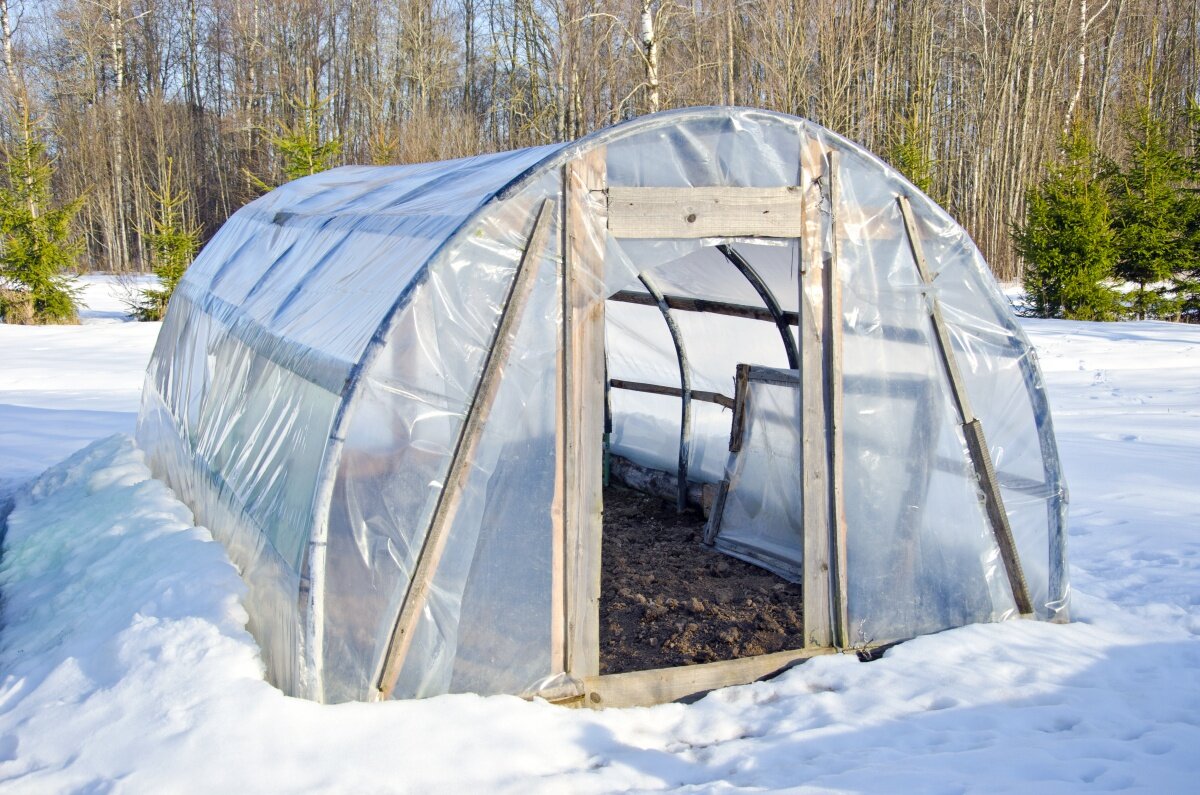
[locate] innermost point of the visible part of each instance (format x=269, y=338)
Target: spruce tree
x=1187, y=278
x=909, y=154
x=173, y=243
x=1150, y=218
x=1066, y=240
x=300, y=143
x=36, y=249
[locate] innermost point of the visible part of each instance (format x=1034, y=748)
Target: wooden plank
x=814, y=450
x=977, y=448
x=703, y=212
x=775, y=376
x=832, y=283
x=993, y=506
x=672, y=391
x=663, y=685
x=741, y=393
x=704, y=305
x=583, y=325
x=714, y=517
x=464, y=453
x=558, y=503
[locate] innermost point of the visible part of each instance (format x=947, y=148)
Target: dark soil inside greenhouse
x=666, y=599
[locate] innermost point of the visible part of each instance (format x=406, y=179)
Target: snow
x=125, y=665
x=63, y=386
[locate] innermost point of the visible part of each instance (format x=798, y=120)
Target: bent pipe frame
x=685, y=387
x=768, y=298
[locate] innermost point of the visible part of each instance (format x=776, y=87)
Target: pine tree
x=36, y=249
x=173, y=243
x=300, y=143
x=909, y=154
x=1150, y=218
x=1187, y=278
x=1066, y=239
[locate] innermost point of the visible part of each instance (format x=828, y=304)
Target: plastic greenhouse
x=388, y=392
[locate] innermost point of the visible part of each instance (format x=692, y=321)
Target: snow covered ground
x=125, y=666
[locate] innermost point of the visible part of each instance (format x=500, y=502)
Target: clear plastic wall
x=312, y=378
x=261, y=343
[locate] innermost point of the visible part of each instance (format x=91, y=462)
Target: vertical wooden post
x=814, y=457
x=833, y=386
x=584, y=229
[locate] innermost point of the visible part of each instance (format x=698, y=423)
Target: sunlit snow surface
x=124, y=664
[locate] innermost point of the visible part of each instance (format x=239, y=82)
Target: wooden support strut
x=672, y=391
x=832, y=361
x=977, y=449
x=584, y=213
x=703, y=212
x=686, y=304
x=464, y=455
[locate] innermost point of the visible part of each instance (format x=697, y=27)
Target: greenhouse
x=397, y=395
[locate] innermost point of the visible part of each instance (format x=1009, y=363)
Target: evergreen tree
x=36, y=249
x=1066, y=239
x=909, y=154
x=1150, y=218
x=300, y=143
x=1187, y=279
x=173, y=243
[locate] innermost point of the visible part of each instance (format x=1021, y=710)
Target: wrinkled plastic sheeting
x=262, y=338
x=316, y=366
x=763, y=517
x=402, y=431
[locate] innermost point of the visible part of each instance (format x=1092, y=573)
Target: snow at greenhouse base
x=125, y=664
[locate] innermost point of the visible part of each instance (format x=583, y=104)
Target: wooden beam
x=703, y=212
x=672, y=391
x=663, y=685
x=814, y=449
x=776, y=376
x=832, y=284
x=704, y=305
x=977, y=448
x=741, y=393
x=583, y=327
x=461, y=463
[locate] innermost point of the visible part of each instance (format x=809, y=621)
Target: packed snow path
x=125, y=666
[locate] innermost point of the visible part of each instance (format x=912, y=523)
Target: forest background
x=132, y=127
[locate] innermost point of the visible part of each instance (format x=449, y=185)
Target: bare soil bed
x=666, y=599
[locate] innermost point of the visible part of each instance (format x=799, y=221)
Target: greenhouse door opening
x=707, y=376
x=699, y=459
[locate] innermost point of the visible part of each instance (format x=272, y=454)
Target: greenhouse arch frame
x=389, y=392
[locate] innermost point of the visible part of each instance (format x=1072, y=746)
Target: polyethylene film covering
x=921, y=555
x=405, y=421
x=1009, y=398
x=763, y=519
x=240, y=439
x=488, y=622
